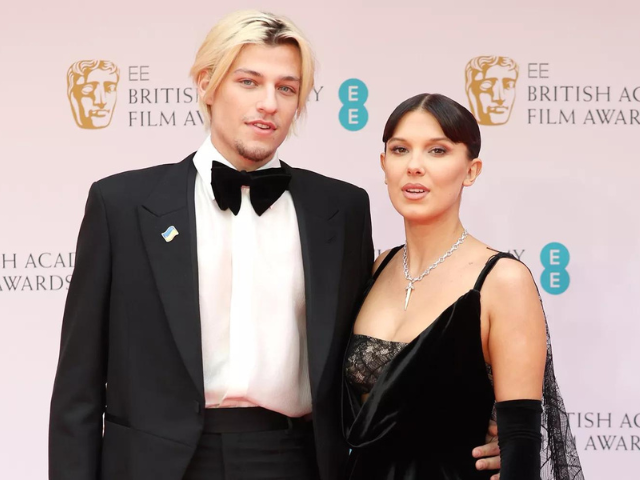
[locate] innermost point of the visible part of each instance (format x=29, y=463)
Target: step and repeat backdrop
x=91, y=89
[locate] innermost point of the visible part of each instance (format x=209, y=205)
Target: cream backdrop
x=550, y=175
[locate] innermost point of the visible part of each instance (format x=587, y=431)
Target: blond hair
x=226, y=39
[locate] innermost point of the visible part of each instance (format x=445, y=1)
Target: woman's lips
x=415, y=191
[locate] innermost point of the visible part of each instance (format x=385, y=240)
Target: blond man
x=212, y=298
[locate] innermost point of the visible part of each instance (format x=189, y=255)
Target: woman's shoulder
x=502, y=271
x=510, y=289
x=382, y=257
x=509, y=272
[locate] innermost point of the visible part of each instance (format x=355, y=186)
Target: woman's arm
x=517, y=352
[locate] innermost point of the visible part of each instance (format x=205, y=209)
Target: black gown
x=430, y=401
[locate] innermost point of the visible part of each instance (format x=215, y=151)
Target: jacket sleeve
x=78, y=399
x=367, y=241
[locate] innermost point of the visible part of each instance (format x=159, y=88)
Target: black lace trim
x=367, y=358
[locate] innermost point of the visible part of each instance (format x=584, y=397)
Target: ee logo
x=555, y=278
x=353, y=94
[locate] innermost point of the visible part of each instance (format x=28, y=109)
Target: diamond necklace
x=405, y=263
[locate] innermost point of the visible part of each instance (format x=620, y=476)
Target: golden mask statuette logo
x=92, y=88
x=491, y=88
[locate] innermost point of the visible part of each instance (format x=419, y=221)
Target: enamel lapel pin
x=170, y=233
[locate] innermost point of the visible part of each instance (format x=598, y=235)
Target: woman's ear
x=382, y=160
x=474, y=169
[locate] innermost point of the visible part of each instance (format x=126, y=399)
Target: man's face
x=254, y=105
x=95, y=97
x=494, y=93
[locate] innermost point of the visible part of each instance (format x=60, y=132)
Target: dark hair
x=457, y=123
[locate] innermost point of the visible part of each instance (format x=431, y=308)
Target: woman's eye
x=247, y=82
x=399, y=150
x=438, y=151
x=287, y=89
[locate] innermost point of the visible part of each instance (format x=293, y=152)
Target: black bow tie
x=266, y=186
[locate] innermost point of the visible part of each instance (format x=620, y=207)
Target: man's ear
x=474, y=169
x=203, y=84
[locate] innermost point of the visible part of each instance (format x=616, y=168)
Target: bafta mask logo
x=92, y=88
x=491, y=88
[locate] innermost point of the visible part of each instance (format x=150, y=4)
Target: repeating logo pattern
x=490, y=84
x=555, y=279
x=353, y=94
x=92, y=88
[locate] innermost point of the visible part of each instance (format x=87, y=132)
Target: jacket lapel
x=322, y=242
x=174, y=262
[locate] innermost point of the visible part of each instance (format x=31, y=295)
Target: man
x=210, y=308
x=491, y=88
x=92, y=91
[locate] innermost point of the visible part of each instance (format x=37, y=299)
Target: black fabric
x=382, y=266
x=519, y=438
x=132, y=321
x=267, y=186
x=270, y=455
x=250, y=419
x=429, y=407
x=432, y=402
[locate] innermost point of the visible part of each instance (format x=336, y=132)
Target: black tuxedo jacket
x=131, y=347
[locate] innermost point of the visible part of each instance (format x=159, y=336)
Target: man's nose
x=268, y=104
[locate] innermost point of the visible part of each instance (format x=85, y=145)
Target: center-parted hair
x=226, y=39
x=457, y=123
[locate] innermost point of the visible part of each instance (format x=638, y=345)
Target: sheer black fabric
x=367, y=357
x=559, y=456
x=430, y=401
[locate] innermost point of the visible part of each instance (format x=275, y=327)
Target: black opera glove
x=519, y=439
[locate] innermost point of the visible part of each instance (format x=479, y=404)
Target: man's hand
x=489, y=454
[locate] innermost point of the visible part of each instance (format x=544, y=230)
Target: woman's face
x=424, y=170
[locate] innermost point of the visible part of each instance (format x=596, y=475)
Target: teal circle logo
x=555, y=258
x=353, y=94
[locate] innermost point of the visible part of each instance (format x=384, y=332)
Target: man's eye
x=87, y=90
x=287, y=89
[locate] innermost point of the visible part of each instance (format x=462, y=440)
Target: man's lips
x=414, y=191
x=262, y=126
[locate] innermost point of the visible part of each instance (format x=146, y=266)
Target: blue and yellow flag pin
x=170, y=233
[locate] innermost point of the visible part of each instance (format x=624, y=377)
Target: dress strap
x=386, y=260
x=489, y=266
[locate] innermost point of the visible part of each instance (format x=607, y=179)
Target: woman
x=449, y=328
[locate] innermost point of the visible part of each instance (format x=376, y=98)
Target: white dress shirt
x=252, y=303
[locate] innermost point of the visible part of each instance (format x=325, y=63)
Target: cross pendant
x=409, y=288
